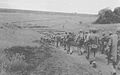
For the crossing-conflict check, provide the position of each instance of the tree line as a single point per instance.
(108, 16)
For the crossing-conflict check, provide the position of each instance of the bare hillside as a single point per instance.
(43, 18)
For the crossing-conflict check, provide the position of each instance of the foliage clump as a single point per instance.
(107, 16)
(41, 60)
(19, 60)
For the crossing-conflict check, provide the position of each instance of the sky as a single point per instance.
(68, 6)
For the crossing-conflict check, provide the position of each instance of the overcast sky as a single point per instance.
(79, 6)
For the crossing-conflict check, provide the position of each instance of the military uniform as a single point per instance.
(57, 39)
(114, 38)
(92, 40)
(65, 41)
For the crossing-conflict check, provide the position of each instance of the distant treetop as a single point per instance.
(107, 16)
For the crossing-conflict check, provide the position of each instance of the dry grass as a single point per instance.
(16, 39)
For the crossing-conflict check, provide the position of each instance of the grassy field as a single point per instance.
(9, 18)
(52, 19)
(18, 30)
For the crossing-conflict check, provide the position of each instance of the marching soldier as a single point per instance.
(104, 40)
(109, 50)
(65, 41)
(69, 38)
(87, 43)
(114, 38)
(93, 42)
(57, 39)
(80, 41)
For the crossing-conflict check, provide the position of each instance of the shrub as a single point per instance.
(23, 60)
(107, 16)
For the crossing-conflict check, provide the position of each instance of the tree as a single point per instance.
(104, 12)
(107, 16)
(117, 11)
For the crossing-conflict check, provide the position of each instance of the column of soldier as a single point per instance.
(93, 43)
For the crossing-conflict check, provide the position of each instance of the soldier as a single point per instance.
(80, 41)
(87, 44)
(93, 42)
(114, 38)
(109, 50)
(53, 40)
(57, 39)
(69, 40)
(103, 43)
(85, 35)
(65, 40)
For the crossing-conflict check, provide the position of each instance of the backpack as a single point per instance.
(105, 40)
(93, 41)
(70, 38)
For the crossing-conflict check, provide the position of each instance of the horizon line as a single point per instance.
(77, 13)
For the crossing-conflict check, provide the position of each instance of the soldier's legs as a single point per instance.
(68, 46)
(108, 58)
(114, 53)
(53, 42)
(108, 62)
(94, 51)
(61, 44)
(102, 49)
(88, 52)
(118, 65)
(64, 46)
(56, 43)
(118, 58)
(86, 48)
(79, 50)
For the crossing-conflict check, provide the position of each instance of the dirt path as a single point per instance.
(100, 60)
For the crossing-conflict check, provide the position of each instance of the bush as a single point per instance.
(107, 16)
(23, 60)
(117, 11)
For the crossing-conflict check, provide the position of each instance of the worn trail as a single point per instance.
(80, 60)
